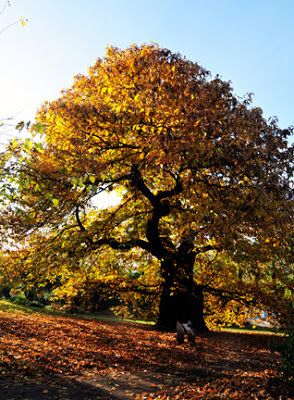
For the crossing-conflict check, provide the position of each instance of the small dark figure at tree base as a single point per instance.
(185, 328)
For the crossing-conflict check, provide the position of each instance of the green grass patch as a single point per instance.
(253, 331)
(11, 307)
(8, 306)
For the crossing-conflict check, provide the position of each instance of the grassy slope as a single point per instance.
(19, 308)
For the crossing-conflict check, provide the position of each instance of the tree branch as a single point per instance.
(203, 249)
(228, 295)
(172, 192)
(139, 184)
(123, 245)
(79, 222)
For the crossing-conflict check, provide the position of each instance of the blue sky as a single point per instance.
(249, 42)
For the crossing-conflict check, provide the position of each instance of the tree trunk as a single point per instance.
(181, 299)
(182, 307)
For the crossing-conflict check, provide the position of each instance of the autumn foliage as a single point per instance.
(205, 216)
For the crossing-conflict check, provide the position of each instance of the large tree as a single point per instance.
(197, 169)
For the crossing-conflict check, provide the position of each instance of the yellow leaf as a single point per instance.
(23, 21)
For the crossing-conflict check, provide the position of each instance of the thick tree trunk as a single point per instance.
(182, 307)
(181, 299)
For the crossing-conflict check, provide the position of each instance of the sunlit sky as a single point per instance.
(249, 42)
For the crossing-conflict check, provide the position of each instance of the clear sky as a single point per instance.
(249, 42)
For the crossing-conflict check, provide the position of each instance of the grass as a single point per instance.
(8, 306)
(257, 330)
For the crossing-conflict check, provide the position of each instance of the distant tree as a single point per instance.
(199, 171)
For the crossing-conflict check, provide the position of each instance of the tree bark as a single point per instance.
(181, 299)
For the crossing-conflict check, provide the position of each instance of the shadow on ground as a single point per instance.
(24, 389)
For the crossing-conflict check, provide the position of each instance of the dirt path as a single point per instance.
(59, 358)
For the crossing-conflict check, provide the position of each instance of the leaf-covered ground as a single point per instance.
(53, 357)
